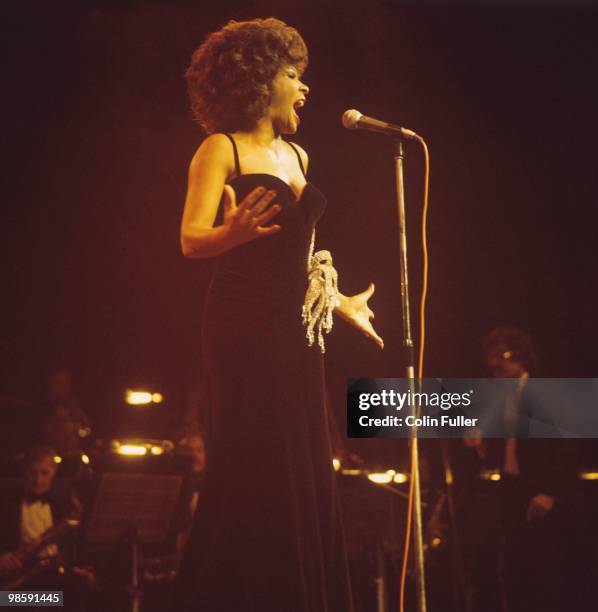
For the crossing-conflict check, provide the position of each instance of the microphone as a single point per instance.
(354, 120)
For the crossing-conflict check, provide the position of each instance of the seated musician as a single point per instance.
(36, 521)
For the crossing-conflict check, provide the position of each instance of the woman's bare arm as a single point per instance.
(208, 172)
(209, 169)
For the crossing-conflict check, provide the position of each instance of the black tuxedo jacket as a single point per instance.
(10, 515)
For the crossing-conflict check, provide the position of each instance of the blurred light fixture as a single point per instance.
(588, 475)
(336, 464)
(142, 398)
(57, 459)
(85, 458)
(493, 475)
(388, 477)
(381, 477)
(140, 448)
(132, 449)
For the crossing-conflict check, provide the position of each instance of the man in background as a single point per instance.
(518, 525)
(37, 528)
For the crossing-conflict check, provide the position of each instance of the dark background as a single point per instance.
(98, 139)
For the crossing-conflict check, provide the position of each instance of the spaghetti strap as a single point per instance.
(236, 153)
(298, 157)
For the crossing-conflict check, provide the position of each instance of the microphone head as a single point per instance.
(351, 118)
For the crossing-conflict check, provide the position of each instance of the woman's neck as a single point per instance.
(263, 135)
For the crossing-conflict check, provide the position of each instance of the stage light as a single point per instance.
(57, 459)
(136, 447)
(436, 542)
(380, 477)
(387, 477)
(85, 459)
(142, 398)
(493, 475)
(336, 464)
(588, 475)
(136, 450)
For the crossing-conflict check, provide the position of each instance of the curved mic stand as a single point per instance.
(410, 374)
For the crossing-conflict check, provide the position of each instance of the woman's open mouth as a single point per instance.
(298, 104)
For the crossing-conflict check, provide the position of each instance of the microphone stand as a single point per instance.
(418, 543)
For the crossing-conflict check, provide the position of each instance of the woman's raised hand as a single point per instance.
(355, 310)
(244, 221)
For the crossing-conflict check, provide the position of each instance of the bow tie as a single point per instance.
(31, 498)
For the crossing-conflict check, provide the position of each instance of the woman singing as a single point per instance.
(268, 534)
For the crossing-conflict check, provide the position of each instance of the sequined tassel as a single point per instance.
(321, 296)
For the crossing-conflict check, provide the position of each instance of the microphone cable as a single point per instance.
(420, 367)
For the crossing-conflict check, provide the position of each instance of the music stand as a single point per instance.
(136, 499)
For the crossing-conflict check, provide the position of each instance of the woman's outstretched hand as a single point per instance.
(355, 310)
(244, 222)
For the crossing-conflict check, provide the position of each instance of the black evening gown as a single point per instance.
(267, 535)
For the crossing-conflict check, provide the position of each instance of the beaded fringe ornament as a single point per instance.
(321, 295)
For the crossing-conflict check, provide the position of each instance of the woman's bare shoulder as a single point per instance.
(216, 149)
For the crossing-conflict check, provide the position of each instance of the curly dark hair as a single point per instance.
(230, 74)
